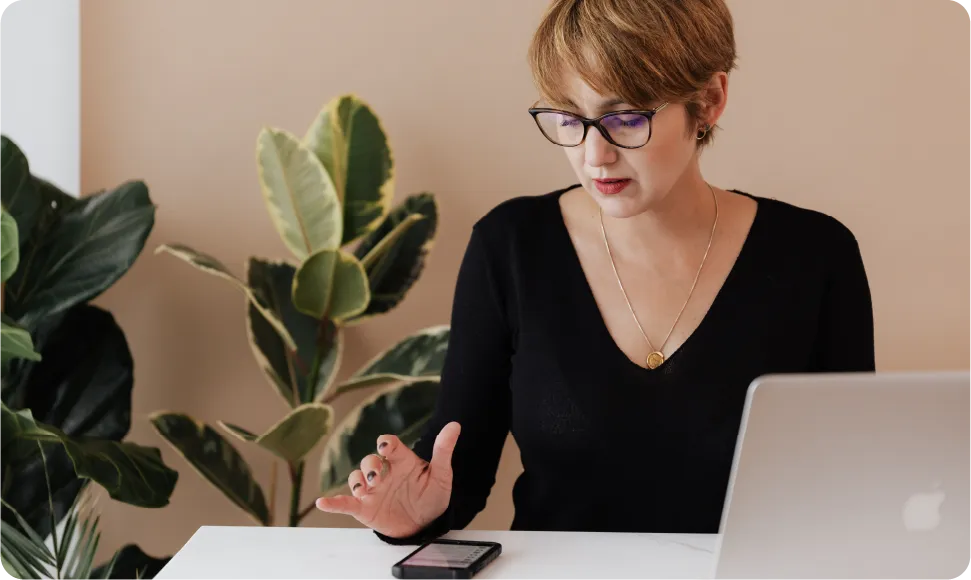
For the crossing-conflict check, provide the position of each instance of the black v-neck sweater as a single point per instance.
(607, 445)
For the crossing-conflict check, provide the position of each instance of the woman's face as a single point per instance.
(648, 173)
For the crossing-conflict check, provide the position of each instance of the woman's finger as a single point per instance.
(392, 449)
(371, 467)
(340, 504)
(356, 482)
(444, 447)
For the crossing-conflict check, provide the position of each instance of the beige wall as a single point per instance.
(858, 109)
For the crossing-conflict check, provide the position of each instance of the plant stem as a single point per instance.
(312, 379)
(306, 511)
(272, 491)
(296, 482)
(325, 342)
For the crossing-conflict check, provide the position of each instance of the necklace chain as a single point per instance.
(656, 357)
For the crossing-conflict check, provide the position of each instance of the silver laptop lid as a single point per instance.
(850, 475)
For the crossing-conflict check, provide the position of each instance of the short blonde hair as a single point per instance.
(643, 51)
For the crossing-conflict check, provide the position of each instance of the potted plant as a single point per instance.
(353, 256)
(67, 375)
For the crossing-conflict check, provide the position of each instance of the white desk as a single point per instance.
(278, 552)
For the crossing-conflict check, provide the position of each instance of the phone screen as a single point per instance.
(446, 556)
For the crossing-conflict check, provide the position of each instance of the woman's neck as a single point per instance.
(675, 225)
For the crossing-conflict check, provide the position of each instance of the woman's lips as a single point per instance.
(610, 186)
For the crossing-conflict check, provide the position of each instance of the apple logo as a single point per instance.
(922, 510)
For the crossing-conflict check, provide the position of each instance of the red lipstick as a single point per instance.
(610, 186)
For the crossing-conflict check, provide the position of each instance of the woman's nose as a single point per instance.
(598, 151)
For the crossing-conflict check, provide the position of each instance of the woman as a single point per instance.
(614, 326)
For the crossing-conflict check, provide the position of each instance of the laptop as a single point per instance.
(859, 475)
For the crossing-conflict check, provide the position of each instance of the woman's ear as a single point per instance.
(715, 98)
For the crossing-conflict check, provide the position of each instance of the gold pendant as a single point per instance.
(654, 360)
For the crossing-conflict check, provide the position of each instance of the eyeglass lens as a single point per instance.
(626, 129)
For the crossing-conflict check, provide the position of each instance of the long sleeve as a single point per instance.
(474, 391)
(846, 336)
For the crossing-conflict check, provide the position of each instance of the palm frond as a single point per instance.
(82, 544)
(23, 554)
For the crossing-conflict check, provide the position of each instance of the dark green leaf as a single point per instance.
(130, 473)
(215, 459)
(65, 484)
(18, 193)
(78, 249)
(420, 355)
(388, 241)
(83, 386)
(210, 265)
(131, 562)
(348, 139)
(294, 435)
(287, 370)
(395, 271)
(401, 410)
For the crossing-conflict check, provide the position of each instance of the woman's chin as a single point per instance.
(624, 204)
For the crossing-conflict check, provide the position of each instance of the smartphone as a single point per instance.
(447, 559)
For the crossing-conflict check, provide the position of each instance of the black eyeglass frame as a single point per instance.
(596, 122)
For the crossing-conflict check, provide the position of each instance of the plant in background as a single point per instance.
(67, 374)
(354, 257)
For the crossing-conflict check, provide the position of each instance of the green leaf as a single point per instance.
(31, 534)
(9, 246)
(78, 249)
(18, 193)
(396, 265)
(294, 435)
(23, 550)
(421, 355)
(211, 265)
(331, 284)
(289, 371)
(130, 473)
(400, 410)
(15, 342)
(299, 194)
(78, 546)
(215, 459)
(25, 556)
(131, 562)
(82, 386)
(388, 241)
(348, 139)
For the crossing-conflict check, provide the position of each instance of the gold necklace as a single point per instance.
(656, 358)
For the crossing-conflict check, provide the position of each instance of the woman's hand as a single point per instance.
(404, 498)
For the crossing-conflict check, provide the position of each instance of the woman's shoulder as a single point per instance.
(789, 224)
(522, 216)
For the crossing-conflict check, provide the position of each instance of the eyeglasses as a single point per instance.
(628, 129)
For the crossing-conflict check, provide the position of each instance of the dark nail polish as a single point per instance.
(370, 476)
(356, 485)
(383, 445)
